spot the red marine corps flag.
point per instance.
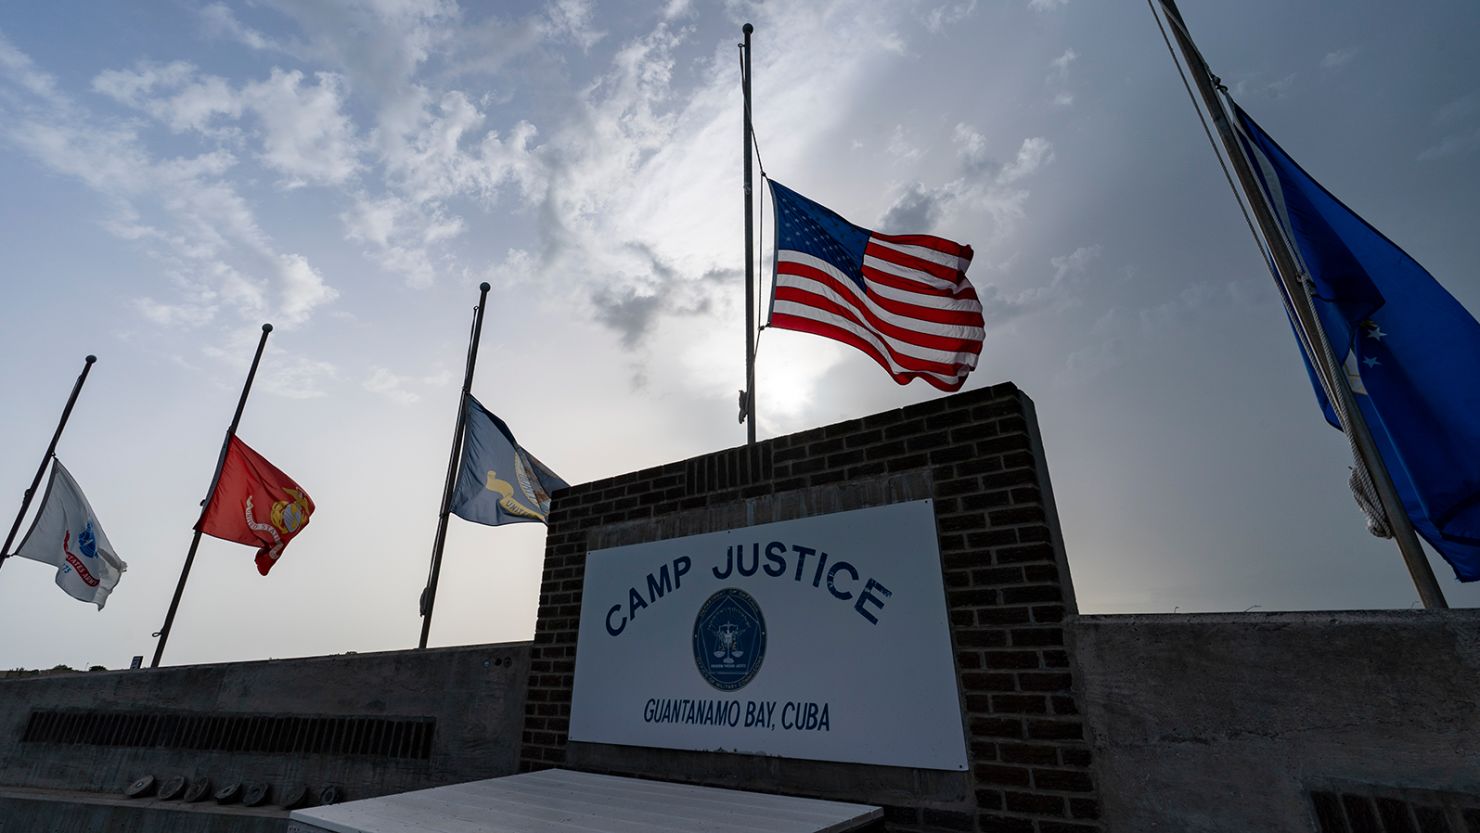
(254, 503)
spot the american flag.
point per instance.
(902, 299)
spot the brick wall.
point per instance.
(978, 455)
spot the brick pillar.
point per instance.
(979, 456)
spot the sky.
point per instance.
(175, 173)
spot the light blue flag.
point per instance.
(498, 482)
(1411, 351)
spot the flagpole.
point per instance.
(46, 458)
(1298, 301)
(236, 418)
(429, 595)
(749, 411)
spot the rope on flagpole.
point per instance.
(754, 143)
(1202, 120)
(760, 249)
(760, 259)
(472, 325)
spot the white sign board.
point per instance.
(822, 638)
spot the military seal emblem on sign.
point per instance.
(729, 639)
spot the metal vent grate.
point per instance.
(1379, 810)
(259, 733)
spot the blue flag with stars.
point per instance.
(1411, 351)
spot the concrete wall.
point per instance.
(35, 811)
(474, 694)
(977, 455)
(1226, 722)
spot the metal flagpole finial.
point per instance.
(266, 328)
(90, 359)
(484, 286)
(747, 28)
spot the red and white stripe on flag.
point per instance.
(916, 314)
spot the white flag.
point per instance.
(67, 534)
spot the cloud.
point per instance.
(303, 132)
(1453, 145)
(971, 147)
(298, 377)
(19, 68)
(982, 185)
(627, 312)
(1105, 352)
(917, 209)
(303, 288)
(572, 19)
(999, 307)
(1339, 58)
(175, 315)
(424, 149)
(1034, 153)
(1453, 114)
(1058, 77)
(900, 146)
(632, 309)
(386, 383)
(1248, 88)
(305, 136)
(397, 387)
(282, 373)
(172, 93)
(1176, 311)
(1458, 110)
(940, 18)
(1074, 263)
(623, 202)
(444, 155)
(183, 211)
(616, 184)
(1187, 311)
(445, 159)
(1047, 5)
(404, 234)
(221, 21)
(380, 45)
(441, 378)
(1060, 66)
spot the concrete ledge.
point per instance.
(25, 809)
(1227, 721)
